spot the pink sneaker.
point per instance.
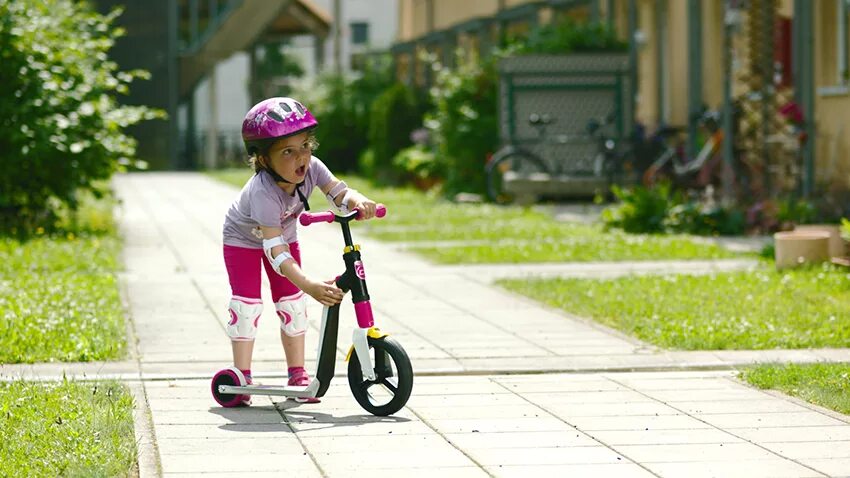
(302, 379)
(246, 399)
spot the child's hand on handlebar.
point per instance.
(326, 293)
(367, 208)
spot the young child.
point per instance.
(260, 229)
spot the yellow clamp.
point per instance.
(349, 248)
(373, 332)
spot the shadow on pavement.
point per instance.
(298, 416)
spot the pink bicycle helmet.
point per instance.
(273, 119)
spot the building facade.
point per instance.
(680, 49)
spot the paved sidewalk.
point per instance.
(466, 416)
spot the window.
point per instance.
(834, 46)
(359, 33)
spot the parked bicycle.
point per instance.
(531, 175)
(673, 164)
(612, 160)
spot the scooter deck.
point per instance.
(276, 390)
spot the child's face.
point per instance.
(290, 157)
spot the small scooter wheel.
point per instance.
(229, 376)
(390, 390)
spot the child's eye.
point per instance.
(286, 153)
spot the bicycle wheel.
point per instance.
(510, 164)
(390, 390)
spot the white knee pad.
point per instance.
(244, 316)
(292, 311)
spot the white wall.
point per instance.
(232, 93)
(381, 15)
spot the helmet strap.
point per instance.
(279, 179)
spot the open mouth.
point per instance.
(301, 171)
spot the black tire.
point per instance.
(516, 161)
(390, 362)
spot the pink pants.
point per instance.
(243, 270)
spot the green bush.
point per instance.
(418, 164)
(393, 116)
(342, 106)
(464, 123)
(641, 210)
(660, 209)
(366, 163)
(792, 211)
(276, 69)
(61, 129)
(332, 105)
(694, 218)
(570, 36)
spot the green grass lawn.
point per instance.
(500, 234)
(760, 309)
(827, 385)
(59, 298)
(66, 429)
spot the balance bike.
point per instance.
(377, 359)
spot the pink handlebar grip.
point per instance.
(308, 218)
(380, 211)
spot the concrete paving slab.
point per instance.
(522, 410)
(520, 440)
(827, 433)
(737, 469)
(616, 438)
(636, 423)
(765, 405)
(836, 467)
(542, 423)
(768, 420)
(586, 397)
(425, 472)
(339, 463)
(806, 450)
(625, 409)
(573, 471)
(223, 461)
(671, 453)
(546, 456)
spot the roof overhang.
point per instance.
(243, 27)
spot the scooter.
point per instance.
(379, 371)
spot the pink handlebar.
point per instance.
(308, 218)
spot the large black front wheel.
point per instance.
(390, 390)
(507, 165)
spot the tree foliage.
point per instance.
(394, 115)
(61, 128)
(464, 122)
(342, 106)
